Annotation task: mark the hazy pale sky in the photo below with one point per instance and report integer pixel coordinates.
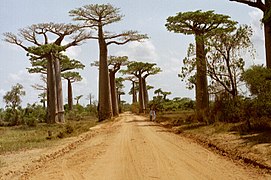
(165, 48)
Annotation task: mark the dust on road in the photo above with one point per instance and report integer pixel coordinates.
(134, 148)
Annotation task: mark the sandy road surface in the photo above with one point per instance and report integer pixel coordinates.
(133, 148)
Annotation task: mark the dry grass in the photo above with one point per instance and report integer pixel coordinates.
(23, 137)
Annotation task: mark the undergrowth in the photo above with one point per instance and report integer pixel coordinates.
(43, 135)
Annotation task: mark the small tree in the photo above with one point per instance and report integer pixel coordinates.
(77, 98)
(13, 100)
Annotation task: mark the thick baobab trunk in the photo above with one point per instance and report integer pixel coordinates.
(114, 100)
(202, 98)
(134, 92)
(267, 34)
(141, 99)
(51, 92)
(105, 107)
(70, 99)
(59, 92)
(145, 92)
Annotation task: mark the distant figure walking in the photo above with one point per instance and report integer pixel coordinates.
(152, 115)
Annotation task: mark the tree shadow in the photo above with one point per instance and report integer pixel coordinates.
(257, 137)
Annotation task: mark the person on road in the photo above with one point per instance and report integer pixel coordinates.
(152, 115)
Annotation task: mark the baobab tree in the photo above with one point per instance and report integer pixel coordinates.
(202, 25)
(265, 7)
(150, 70)
(37, 46)
(134, 88)
(71, 77)
(77, 98)
(96, 17)
(142, 70)
(119, 91)
(114, 65)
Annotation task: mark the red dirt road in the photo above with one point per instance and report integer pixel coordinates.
(134, 148)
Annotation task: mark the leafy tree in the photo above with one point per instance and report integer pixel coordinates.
(158, 92)
(39, 47)
(165, 94)
(13, 100)
(258, 80)
(265, 7)
(77, 98)
(71, 77)
(224, 60)
(202, 25)
(96, 16)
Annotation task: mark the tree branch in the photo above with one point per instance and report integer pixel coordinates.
(258, 4)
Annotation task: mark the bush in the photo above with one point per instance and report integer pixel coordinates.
(227, 109)
(135, 108)
(31, 121)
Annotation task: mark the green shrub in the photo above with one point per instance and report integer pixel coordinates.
(227, 109)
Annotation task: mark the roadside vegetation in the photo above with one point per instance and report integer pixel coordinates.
(27, 128)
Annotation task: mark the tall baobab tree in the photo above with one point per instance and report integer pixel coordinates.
(134, 88)
(96, 16)
(35, 41)
(115, 63)
(265, 7)
(202, 25)
(71, 77)
(150, 70)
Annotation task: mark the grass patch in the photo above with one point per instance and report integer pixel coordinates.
(24, 137)
(176, 118)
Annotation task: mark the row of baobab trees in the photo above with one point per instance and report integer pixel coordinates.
(44, 46)
(35, 41)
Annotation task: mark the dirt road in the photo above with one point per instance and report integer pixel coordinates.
(133, 148)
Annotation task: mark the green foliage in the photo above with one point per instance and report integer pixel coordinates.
(258, 80)
(13, 98)
(34, 114)
(177, 104)
(198, 22)
(80, 113)
(226, 109)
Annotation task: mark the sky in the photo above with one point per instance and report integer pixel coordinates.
(164, 48)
